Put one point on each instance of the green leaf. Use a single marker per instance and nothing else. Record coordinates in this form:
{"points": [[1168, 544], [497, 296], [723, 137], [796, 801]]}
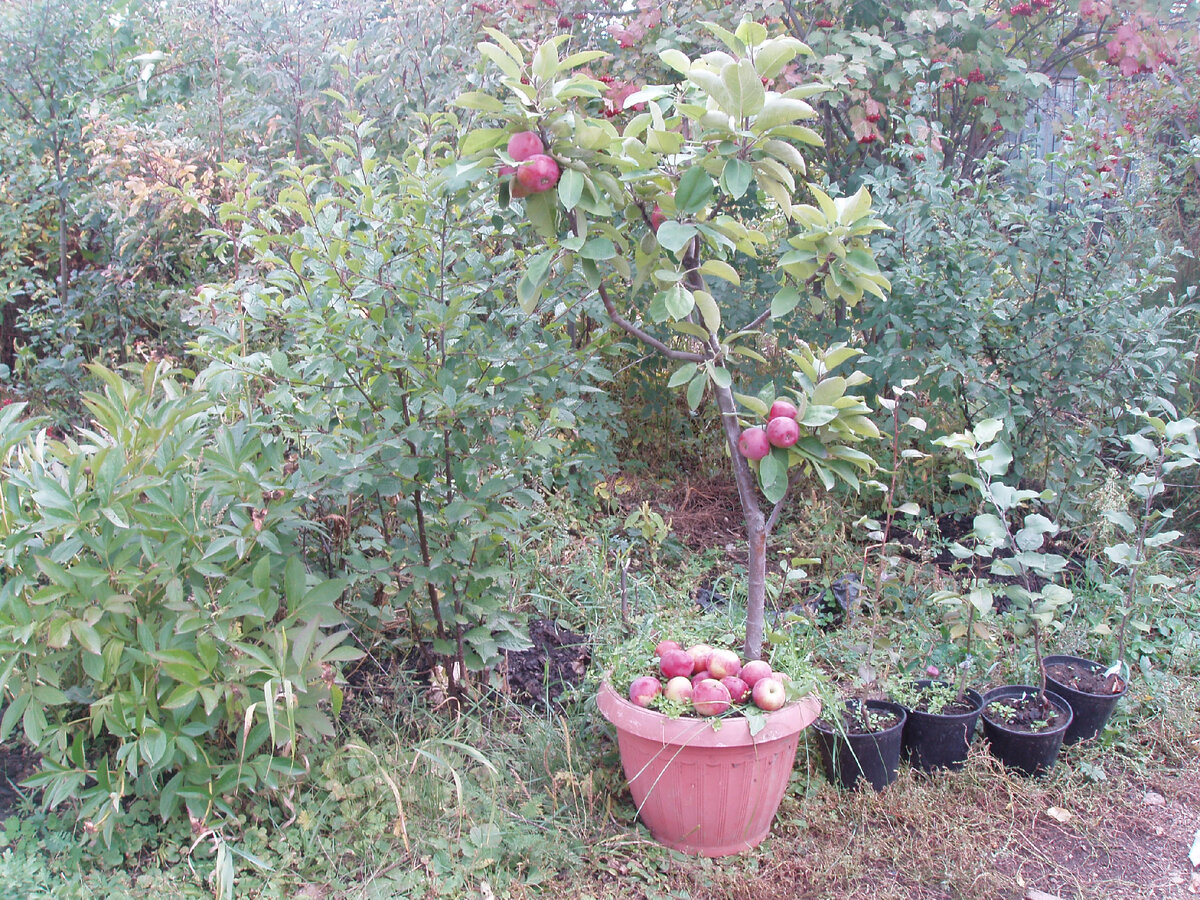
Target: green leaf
{"points": [[599, 248], [772, 475], [816, 416], [479, 100], [756, 405], [502, 61], [784, 301], [756, 719], [677, 60], [1121, 519], [570, 188], [529, 289], [679, 301], [736, 177], [695, 391], [719, 375], [694, 192], [1122, 554], [781, 111], [684, 373], [986, 431], [710, 313], [674, 236], [721, 269], [1162, 538], [745, 88], [990, 530], [713, 85]]}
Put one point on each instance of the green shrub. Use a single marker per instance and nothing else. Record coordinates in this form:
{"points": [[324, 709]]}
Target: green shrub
{"points": [[427, 414], [1016, 296], [159, 636]]}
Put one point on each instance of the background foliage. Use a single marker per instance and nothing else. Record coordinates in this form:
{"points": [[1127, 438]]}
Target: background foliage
{"points": [[272, 418]]}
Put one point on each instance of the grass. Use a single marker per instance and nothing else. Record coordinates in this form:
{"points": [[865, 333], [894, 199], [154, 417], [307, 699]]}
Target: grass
{"points": [[504, 800]]}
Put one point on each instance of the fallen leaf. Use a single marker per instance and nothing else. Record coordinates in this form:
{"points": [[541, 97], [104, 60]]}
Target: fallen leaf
{"points": [[1153, 798], [1058, 815], [1194, 853]]}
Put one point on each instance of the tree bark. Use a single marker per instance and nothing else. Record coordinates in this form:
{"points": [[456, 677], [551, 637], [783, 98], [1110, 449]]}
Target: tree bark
{"points": [[757, 531]]}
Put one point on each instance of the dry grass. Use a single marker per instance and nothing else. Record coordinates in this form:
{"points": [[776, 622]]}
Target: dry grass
{"points": [[978, 833]]}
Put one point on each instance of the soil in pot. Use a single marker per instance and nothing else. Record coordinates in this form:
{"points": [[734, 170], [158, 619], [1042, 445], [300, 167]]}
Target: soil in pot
{"points": [[1092, 694], [864, 745], [1025, 731], [940, 725]]}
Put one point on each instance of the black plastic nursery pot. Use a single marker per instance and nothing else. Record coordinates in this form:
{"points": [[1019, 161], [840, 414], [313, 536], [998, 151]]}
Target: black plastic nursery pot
{"points": [[1091, 711], [1029, 752], [940, 740], [874, 757]]}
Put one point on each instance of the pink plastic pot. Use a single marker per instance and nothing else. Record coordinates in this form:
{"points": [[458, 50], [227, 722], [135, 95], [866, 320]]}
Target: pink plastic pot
{"points": [[704, 790]]}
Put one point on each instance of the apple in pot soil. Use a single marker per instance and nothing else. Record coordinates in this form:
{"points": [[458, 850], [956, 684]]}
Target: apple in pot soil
{"points": [[710, 697], [754, 671], [679, 688], [644, 689], [723, 662], [769, 694], [675, 663], [738, 689], [700, 654]]}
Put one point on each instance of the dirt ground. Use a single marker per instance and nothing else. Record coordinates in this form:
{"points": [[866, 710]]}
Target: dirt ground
{"points": [[981, 834]]}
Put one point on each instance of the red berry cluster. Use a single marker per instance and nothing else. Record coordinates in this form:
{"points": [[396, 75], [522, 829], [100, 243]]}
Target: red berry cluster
{"points": [[975, 76], [1021, 9], [825, 23]]}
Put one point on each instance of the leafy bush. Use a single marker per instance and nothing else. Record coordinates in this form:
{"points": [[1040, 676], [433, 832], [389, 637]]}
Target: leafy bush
{"points": [[425, 412], [1017, 297], [159, 635]]}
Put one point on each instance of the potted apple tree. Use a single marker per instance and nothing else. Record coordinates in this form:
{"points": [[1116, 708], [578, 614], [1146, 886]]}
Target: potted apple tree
{"points": [[656, 210]]}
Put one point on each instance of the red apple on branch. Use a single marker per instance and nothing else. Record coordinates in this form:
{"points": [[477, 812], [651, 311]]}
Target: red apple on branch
{"points": [[538, 173], [524, 144], [753, 443], [781, 408], [781, 432]]}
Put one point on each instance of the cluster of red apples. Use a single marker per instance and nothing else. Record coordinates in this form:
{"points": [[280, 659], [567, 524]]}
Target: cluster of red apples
{"points": [[711, 679], [535, 171], [782, 430]]}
